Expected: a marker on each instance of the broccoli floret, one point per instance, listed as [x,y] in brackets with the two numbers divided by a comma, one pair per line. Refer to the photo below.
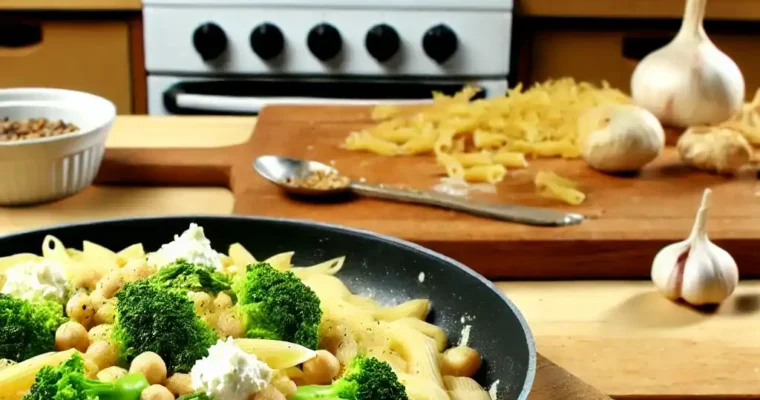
[195,396]
[67,382]
[186,277]
[277,305]
[366,378]
[28,329]
[162,321]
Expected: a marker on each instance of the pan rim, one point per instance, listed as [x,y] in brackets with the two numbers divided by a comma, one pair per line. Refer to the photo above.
[530,373]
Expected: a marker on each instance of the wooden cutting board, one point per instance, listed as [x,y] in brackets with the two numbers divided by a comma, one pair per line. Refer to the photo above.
[631,217]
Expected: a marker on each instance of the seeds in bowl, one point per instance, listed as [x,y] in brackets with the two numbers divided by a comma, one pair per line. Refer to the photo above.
[33,128]
[320,180]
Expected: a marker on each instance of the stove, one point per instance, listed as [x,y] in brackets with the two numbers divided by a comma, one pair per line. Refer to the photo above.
[237,56]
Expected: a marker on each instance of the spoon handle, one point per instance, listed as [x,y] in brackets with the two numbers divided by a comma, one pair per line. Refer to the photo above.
[505,212]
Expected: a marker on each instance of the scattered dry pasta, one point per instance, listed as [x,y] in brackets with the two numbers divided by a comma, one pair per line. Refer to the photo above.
[479,140]
[553,186]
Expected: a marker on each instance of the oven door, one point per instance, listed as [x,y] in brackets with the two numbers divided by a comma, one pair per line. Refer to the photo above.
[248,97]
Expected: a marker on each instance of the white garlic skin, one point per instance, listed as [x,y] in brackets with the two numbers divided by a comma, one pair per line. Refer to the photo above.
[708,275]
[696,270]
[714,149]
[689,81]
[620,137]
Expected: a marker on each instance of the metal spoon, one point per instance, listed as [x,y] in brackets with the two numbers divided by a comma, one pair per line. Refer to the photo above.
[279,170]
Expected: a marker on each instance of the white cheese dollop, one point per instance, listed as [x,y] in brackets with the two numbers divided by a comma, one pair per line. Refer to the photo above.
[229,373]
[191,246]
[37,280]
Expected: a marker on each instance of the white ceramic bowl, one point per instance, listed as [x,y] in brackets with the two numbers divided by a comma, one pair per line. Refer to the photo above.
[46,169]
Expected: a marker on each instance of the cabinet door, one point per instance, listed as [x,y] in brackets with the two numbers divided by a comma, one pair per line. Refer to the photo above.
[91,56]
[596,50]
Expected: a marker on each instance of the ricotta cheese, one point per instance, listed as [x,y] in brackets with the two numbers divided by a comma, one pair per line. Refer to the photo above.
[191,246]
[229,373]
[37,280]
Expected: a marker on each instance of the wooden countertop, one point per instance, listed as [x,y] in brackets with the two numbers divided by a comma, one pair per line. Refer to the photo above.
[71,5]
[619,336]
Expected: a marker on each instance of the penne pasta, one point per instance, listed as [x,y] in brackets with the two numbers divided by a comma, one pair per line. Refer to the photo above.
[329,267]
[462,388]
[453,167]
[16,379]
[553,186]
[430,330]
[99,257]
[277,354]
[417,308]
[473,159]
[281,261]
[487,140]
[419,351]
[510,159]
[365,141]
[421,389]
[485,173]
[130,253]
[240,256]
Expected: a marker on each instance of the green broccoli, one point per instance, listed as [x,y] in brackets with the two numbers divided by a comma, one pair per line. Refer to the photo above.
[67,382]
[366,378]
[186,277]
[162,321]
[27,329]
[195,396]
[277,305]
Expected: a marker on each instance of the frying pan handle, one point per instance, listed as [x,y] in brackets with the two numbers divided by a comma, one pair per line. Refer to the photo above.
[167,167]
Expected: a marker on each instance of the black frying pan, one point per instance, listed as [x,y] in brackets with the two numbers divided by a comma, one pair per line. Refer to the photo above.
[380,266]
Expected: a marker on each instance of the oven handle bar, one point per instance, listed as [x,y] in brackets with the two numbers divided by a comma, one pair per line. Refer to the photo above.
[254,105]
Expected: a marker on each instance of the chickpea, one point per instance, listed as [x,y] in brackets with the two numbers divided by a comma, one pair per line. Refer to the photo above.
[111,374]
[100,332]
[151,366]
[285,385]
[110,284]
[86,278]
[229,324]
[91,369]
[103,353]
[203,302]
[321,369]
[97,299]
[105,314]
[71,335]
[156,392]
[269,393]
[460,361]
[79,308]
[180,384]
[136,269]
[222,301]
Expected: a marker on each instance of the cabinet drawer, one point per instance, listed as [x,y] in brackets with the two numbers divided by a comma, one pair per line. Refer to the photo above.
[91,56]
[612,54]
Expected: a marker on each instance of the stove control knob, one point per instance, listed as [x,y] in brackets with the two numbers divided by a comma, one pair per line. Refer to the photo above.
[267,41]
[210,41]
[382,42]
[440,43]
[324,41]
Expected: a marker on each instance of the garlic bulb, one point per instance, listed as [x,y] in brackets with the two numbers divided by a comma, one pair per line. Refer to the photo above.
[696,270]
[714,149]
[619,137]
[689,81]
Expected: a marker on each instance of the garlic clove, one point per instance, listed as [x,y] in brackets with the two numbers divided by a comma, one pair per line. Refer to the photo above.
[668,268]
[689,81]
[695,270]
[619,137]
[710,275]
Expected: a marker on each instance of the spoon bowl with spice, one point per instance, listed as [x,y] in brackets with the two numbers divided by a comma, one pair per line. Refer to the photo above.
[314,179]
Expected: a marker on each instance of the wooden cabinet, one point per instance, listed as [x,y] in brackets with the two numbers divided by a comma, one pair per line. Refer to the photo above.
[88,54]
[593,50]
